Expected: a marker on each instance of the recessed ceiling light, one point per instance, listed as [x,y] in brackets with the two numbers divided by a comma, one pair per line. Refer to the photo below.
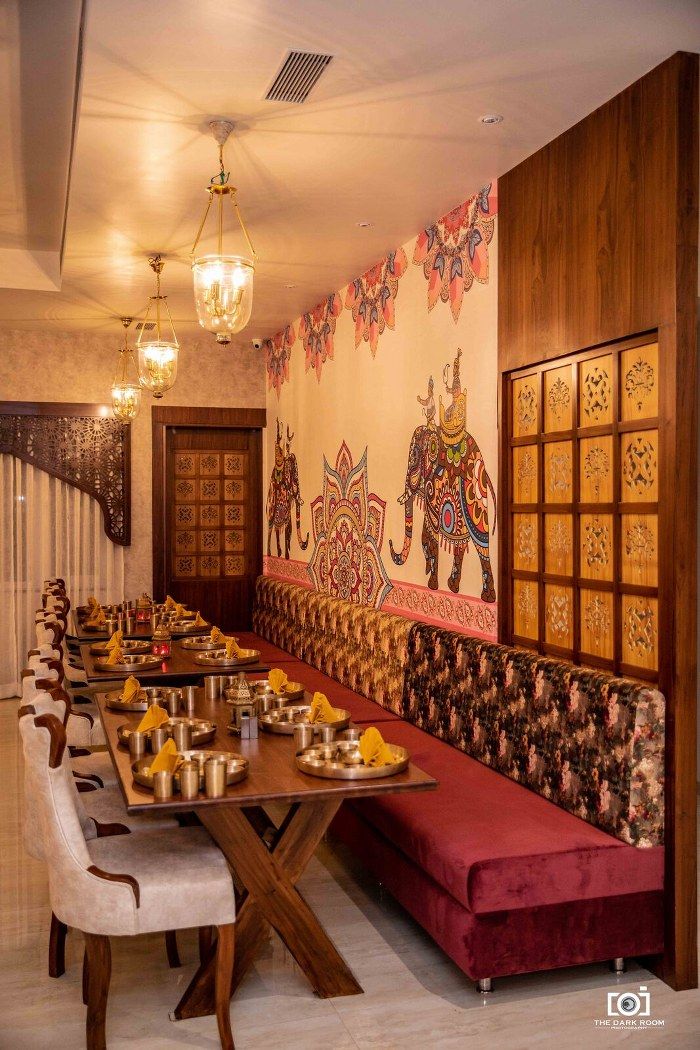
[290,286]
[365,225]
[492,118]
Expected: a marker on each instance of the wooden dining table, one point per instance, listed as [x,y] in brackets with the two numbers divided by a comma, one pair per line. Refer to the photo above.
[77,631]
[267,859]
[180,667]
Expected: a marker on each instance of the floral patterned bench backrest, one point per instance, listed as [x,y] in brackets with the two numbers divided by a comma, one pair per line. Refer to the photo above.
[360,647]
[591,743]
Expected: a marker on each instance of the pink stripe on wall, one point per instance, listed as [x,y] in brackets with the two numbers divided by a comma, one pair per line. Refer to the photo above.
[457,612]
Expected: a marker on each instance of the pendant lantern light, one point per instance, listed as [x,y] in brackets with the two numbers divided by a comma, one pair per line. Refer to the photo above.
[126,391]
[223,283]
[158,357]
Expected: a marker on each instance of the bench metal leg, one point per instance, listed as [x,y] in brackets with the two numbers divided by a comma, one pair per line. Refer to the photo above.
[618,965]
[485,985]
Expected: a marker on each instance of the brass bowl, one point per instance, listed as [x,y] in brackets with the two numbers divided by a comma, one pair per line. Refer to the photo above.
[292,691]
[201,642]
[341,760]
[184,626]
[237,767]
[217,658]
[284,719]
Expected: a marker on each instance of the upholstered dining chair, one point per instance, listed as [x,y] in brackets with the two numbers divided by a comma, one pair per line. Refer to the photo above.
[126,884]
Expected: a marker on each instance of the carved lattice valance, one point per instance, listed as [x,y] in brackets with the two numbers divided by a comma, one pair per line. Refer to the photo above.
[76,444]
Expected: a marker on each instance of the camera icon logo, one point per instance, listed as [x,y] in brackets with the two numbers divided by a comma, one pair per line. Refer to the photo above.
[630,1004]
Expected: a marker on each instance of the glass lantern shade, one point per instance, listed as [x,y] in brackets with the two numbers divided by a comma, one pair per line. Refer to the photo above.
[126,399]
[158,365]
[223,292]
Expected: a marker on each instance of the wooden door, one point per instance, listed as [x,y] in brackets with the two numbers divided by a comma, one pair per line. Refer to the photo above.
[207,510]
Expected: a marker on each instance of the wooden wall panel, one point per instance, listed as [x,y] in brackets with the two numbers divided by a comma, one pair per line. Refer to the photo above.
[597,243]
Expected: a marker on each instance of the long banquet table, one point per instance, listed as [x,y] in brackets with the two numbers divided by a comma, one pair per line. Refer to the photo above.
[180,666]
[237,822]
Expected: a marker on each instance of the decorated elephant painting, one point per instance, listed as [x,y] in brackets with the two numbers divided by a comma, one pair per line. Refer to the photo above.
[282,494]
[447,478]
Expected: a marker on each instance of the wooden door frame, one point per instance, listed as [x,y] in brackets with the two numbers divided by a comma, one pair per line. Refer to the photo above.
[210,418]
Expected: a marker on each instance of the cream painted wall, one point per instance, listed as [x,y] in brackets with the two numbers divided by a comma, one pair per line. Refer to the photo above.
[50,366]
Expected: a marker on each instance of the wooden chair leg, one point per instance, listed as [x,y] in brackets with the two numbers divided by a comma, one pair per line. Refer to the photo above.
[171,949]
[86,977]
[99,959]
[222,983]
[57,947]
[205,939]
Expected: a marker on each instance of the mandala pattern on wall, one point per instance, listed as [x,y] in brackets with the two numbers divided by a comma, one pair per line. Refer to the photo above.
[454,250]
[316,331]
[348,527]
[278,350]
[371,298]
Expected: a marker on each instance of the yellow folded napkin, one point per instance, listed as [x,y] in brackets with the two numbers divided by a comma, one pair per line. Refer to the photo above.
[115,641]
[321,710]
[179,611]
[373,749]
[93,602]
[167,758]
[199,621]
[116,656]
[232,648]
[132,689]
[278,680]
[170,603]
[154,717]
[97,618]
[217,636]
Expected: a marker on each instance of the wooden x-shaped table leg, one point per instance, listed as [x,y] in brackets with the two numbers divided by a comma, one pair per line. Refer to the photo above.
[269,877]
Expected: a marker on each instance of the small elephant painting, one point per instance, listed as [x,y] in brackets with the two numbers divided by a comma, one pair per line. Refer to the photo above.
[282,494]
[447,477]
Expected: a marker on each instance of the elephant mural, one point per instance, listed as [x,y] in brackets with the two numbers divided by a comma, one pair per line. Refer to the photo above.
[282,493]
[447,477]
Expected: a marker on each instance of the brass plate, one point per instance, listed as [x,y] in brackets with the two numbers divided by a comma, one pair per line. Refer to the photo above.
[182,627]
[201,642]
[237,767]
[341,761]
[262,687]
[114,701]
[134,648]
[202,730]
[133,663]
[284,720]
[215,659]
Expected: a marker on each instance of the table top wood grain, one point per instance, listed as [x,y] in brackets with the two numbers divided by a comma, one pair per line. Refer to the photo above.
[273,775]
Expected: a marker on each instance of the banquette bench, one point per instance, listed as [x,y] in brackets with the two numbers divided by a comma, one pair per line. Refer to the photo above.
[543,845]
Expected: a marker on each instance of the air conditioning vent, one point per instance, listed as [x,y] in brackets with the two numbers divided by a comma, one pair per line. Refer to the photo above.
[298,75]
[148,327]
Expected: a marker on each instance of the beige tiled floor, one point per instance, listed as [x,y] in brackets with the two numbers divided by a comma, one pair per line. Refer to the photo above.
[414,997]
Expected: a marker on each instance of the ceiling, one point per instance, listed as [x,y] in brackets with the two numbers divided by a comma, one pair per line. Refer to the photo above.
[390,135]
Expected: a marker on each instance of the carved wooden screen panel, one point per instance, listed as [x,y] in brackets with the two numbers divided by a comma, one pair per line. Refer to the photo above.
[583,531]
[209,513]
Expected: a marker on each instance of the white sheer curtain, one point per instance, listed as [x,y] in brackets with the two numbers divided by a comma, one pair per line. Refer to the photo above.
[47,528]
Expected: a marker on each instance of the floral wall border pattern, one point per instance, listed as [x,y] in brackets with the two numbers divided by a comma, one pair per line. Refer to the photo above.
[278,351]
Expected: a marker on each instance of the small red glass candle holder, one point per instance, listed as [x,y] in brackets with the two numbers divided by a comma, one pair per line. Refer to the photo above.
[161,644]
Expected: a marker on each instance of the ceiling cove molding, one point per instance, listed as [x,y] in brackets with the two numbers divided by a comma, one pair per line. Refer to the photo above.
[82,445]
